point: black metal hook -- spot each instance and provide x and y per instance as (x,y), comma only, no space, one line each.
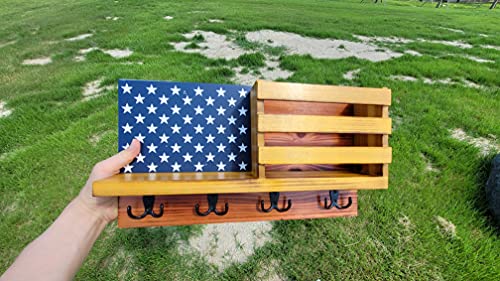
(274,197)
(212,205)
(334,197)
(149,202)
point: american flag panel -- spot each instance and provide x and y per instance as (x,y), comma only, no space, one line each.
(185,127)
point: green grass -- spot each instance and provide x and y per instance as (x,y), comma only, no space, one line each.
(48,145)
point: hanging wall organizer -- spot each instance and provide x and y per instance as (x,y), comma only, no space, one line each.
(311,147)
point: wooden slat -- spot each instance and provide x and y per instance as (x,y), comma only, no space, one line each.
(323,124)
(307,139)
(307,108)
(322,93)
(324,155)
(181,184)
(179,210)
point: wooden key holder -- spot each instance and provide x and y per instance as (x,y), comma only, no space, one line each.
(312,147)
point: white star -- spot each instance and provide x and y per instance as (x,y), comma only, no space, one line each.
(164,138)
(152,167)
(221,166)
(187,157)
(243,147)
(152,148)
(126,89)
(199,167)
(210,157)
(187,138)
(198,91)
(221,129)
(164,119)
(221,110)
(187,100)
(139,99)
(198,129)
(175,90)
(127,128)
(242,93)
(176,129)
(243,129)
(243,166)
(210,101)
(243,111)
(139,119)
(126,146)
(187,119)
(231,138)
(220,92)
(140,138)
(128,168)
(151,89)
(176,109)
(176,148)
(140,158)
(210,138)
(127,108)
(231,120)
(199,148)
(163,100)
(210,119)
(231,101)
(151,109)
(232,157)
(221,147)
(176,167)
(198,110)
(164,157)
(152,128)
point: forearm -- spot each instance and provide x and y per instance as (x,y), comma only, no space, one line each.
(60,251)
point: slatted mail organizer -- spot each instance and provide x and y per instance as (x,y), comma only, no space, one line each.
(312,147)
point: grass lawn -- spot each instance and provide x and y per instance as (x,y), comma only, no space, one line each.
(430,224)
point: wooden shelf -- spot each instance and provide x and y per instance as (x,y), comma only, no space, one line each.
(206,183)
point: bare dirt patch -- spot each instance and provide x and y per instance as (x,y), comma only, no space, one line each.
(215,21)
(480,60)
(321,48)
(168,18)
(403,78)
(485,145)
(413,53)
(4,111)
(268,272)
(351,74)
(79,37)
(446,227)
(96,138)
(112,18)
(93,89)
(118,53)
(271,71)
(428,164)
(38,61)
(491,47)
(7,43)
(224,244)
(215,46)
(452,29)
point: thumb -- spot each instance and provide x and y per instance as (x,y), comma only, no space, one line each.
(118,161)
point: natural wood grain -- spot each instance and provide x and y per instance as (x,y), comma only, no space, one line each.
(179,210)
(168,184)
(323,124)
(324,155)
(314,167)
(307,108)
(307,139)
(322,93)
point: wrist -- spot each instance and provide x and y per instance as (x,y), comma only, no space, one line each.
(88,211)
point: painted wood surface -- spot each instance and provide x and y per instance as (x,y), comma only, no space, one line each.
(322,93)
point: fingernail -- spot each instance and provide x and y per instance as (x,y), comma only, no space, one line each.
(134,143)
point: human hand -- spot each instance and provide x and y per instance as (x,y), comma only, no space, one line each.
(106,208)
